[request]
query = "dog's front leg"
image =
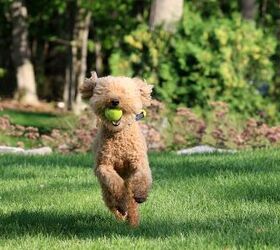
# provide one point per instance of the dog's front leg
(141, 179)
(110, 180)
(138, 185)
(132, 207)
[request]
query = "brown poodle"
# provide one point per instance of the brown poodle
(122, 166)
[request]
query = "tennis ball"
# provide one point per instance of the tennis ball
(113, 114)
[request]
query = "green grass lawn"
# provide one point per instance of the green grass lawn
(197, 202)
(45, 122)
(12, 141)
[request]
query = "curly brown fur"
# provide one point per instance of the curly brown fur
(122, 166)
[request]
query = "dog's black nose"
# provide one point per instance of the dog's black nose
(115, 102)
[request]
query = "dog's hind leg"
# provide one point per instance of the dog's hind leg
(112, 204)
(114, 190)
(125, 208)
(132, 207)
(133, 213)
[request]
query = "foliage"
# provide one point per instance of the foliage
(155, 126)
(163, 130)
(78, 139)
(143, 54)
(124, 15)
(213, 58)
(271, 21)
(206, 60)
(221, 129)
(213, 55)
(187, 129)
(215, 8)
(50, 25)
(2, 72)
(65, 133)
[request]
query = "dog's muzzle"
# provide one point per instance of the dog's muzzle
(117, 123)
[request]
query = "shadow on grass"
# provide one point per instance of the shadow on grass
(213, 165)
(242, 231)
(46, 190)
(168, 167)
(47, 162)
(255, 192)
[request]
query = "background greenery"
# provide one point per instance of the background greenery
(213, 55)
(222, 66)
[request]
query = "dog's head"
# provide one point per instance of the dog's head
(128, 94)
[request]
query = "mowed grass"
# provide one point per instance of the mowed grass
(13, 140)
(197, 202)
(45, 122)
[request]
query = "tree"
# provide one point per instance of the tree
(76, 66)
(26, 85)
(166, 13)
(248, 9)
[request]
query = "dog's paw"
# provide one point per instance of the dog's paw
(121, 217)
(120, 214)
(121, 210)
(140, 199)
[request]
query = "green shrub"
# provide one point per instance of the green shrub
(2, 72)
(205, 60)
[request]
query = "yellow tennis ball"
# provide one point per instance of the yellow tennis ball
(113, 114)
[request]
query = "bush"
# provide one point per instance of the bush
(206, 60)
(163, 130)
(222, 129)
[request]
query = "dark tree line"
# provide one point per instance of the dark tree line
(58, 42)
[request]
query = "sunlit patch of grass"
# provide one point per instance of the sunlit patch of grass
(45, 122)
(12, 141)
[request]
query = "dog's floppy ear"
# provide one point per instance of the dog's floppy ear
(89, 84)
(145, 90)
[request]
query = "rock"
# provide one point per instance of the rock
(38, 151)
(17, 150)
(64, 148)
(202, 149)
(10, 150)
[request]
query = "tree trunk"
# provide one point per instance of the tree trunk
(76, 68)
(278, 38)
(26, 85)
(262, 11)
(166, 13)
(98, 58)
(248, 9)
